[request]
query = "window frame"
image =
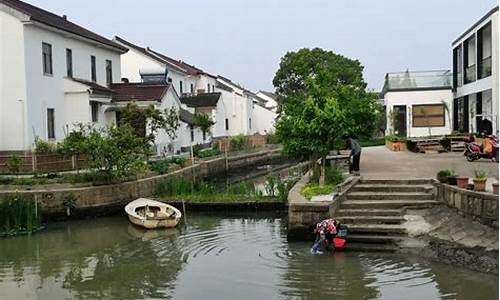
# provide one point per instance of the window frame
(51, 123)
(413, 117)
(93, 68)
(47, 66)
(94, 111)
(109, 71)
(227, 123)
(69, 62)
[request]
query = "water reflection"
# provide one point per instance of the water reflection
(214, 257)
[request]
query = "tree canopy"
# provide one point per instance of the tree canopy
(321, 98)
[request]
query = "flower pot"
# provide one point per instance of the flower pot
(442, 179)
(479, 185)
(452, 180)
(470, 186)
(462, 182)
(495, 188)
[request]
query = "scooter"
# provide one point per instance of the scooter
(475, 151)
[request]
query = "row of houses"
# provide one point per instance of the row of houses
(438, 102)
(55, 74)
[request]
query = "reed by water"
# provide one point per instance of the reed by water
(19, 216)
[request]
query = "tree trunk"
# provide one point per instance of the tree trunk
(322, 171)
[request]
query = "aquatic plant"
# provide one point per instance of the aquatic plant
(19, 215)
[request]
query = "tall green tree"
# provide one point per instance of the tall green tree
(322, 99)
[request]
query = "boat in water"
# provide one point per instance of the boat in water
(152, 214)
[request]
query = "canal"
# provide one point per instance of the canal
(214, 256)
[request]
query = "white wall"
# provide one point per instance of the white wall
(409, 98)
(13, 100)
(271, 103)
(264, 120)
(45, 91)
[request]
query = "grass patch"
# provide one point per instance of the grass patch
(313, 189)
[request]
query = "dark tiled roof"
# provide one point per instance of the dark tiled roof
(47, 18)
(269, 94)
(231, 82)
(138, 92)
(96, 88)
(202, 100)
(177, 64)
(224, 86)
(146, 51)
(186, 117)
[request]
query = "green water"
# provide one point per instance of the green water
(214, 257)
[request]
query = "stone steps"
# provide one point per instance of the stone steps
(370, 247)
(370, 212)
(374, 238)
(371, 219)
(389, 196)
(386, 204)
(397, 181)
(392, 188)
(376, 228)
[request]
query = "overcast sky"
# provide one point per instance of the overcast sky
(244, 40)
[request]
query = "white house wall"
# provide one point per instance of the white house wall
(264, 120)
(48, 91)
(13, 106)
(410, 98)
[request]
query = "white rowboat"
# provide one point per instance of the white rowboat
(152, 214)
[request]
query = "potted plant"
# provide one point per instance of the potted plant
(462, 181)
(442, 175)
(479, 180)
(452, 178)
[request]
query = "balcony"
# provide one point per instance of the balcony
(484, 67)
(470, 74)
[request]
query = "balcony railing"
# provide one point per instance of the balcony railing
(484, 67)
(470, 74)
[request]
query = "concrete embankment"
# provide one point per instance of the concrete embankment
(99, 200)
(443, 235)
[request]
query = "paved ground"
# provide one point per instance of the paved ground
(380, 162)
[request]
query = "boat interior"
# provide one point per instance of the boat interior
(155, 213)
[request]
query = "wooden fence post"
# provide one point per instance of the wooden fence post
(33, 161)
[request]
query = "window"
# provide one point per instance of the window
(204, 135)
(430, 115)
(109, 71)
(93, 71)
(192, 132)
(213, 88)
(47, 58)
(192, 88)
(51, 133)
(250, 123)
(180, 87)
(69, 63)
(208, 87)
(94, 107)
(227, 124)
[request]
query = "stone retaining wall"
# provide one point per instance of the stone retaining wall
(304, 214)
(117, 195)
(482, 207)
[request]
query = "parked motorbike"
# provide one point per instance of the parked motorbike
(475, 151)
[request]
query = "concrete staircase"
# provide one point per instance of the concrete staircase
(374, 211)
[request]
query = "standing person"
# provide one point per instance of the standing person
(355, 154)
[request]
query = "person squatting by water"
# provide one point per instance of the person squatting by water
(325, 231)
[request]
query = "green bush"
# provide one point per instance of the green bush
(14, 164)
(44, 147)
(238, 142)
(207, 153)
(333, 175)
(444, 173)
(372, 142)
(159, 166)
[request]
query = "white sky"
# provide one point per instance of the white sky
(245, 39)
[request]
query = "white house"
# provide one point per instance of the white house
(212, 105)
(162, 96)
(418, 103)
(475, 74)
(270, 100)
(238, 105)
(53, 73)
